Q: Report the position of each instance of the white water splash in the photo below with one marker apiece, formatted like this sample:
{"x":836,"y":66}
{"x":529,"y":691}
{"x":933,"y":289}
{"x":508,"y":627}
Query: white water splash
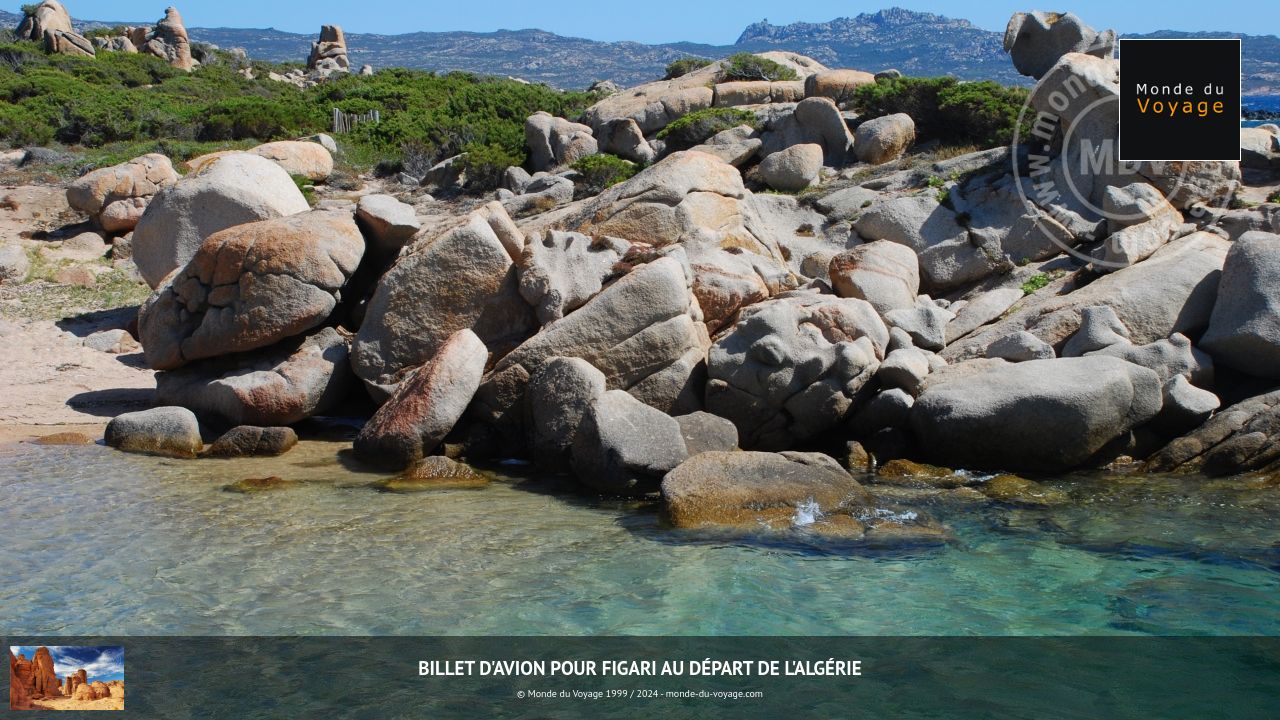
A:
{"x":807,"y":513}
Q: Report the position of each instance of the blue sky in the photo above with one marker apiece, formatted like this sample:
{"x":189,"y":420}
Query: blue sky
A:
{"x":714,"y":21}
{"x":100,"y":663}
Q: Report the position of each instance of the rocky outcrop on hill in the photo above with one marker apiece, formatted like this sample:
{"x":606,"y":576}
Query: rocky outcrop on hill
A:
{"x":169,"y":41}
{"x":1036,"y":40}
{"x":44,"y":17}
{"x":329,"y":53}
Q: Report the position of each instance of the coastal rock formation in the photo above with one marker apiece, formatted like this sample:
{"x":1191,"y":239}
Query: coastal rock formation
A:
{"x":885,"y":274}
{"x":555,"y":141}
{"x":561,"y":271}
{"x":251,"y":286}
{"x":48,"y":16}
{"x":233,"y":190}
{"x":329,"y":53}
{"x":884,"y":138}
{"x":814,"y":120}
{"x":793,"y":366}
{"x":946,"y":255}
{"x":1036,"y":416}
{"x":643,"y":332}
{"x":1036,"y":40}
{"x":1173,"y":291}
{"x":750,"y":489}
{"x":280,"y":385}
{"x":560,"y":393}
{"x":166,"y":431}
{"x":1244,"y":330}
{"x":624,"y":447}
{"x":653,"y":106}
{"x":465,"y":277}
{"x":426,"y":405}
{"x":169,"y":41}
{"x":387,"y":223}
{"x":838,"y":85}
{"x":115,"y":197}
{"x":1241,"y":438}
{"x":793,"y":169}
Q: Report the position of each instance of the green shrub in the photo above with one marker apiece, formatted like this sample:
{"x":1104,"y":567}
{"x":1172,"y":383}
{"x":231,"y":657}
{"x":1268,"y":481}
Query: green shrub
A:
{"x":600,"y":172}
{"x":484,"y":164}
{"x":684,"y":66}
{"x":115,"y":102}
{"x":699,"y":126}
{"x":745,"y":66}
{"x":982,"y":113}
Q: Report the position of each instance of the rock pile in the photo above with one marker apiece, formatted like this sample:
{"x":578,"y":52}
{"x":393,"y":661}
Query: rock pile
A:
{"x":638,"y":336}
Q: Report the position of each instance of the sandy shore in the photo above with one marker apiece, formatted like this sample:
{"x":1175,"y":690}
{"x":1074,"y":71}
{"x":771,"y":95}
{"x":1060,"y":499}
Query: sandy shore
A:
{"x":49,"y":378}
{"x":111,"y":703}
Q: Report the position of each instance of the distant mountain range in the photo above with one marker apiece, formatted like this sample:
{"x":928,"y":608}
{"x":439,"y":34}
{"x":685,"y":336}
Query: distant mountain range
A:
{"x":913,"y":42}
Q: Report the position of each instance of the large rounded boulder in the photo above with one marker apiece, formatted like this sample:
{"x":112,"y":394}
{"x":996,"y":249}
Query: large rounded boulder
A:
{"x":251,"y":286}
{"x":115,"y":197}
{"x":1244,"y":330}
{"x":233,"y":190}
{"x":1036,"y":416}
{"x":791,"y":367}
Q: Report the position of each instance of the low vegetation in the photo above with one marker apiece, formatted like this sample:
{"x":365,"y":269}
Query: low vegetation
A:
{"x":600,"y":172}
{"x":945,"y":109}
{"x":684,"y":66}
{"x":699,"y":126}
{"x":745,"y":66}
{"x":119,"y":105}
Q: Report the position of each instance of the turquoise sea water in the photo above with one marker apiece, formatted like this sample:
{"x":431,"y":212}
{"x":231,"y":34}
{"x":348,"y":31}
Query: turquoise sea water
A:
{"x":100,"y":542}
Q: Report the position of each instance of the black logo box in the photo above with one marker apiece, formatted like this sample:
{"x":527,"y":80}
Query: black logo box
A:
{"x":1187,"y":64}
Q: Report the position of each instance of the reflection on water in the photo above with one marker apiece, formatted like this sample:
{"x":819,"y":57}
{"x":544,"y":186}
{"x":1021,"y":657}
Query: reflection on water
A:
{"x":99,"y":542}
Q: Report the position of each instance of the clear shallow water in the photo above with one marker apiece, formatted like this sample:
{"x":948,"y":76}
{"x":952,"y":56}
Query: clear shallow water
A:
{"x":100,"y":542}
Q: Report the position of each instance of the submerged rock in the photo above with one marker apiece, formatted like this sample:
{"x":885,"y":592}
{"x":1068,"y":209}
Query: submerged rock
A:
{"x":434,"y":472}
{"x":249,"y":441}
{"x":753,"y":488}
{"x":249,"y":486}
